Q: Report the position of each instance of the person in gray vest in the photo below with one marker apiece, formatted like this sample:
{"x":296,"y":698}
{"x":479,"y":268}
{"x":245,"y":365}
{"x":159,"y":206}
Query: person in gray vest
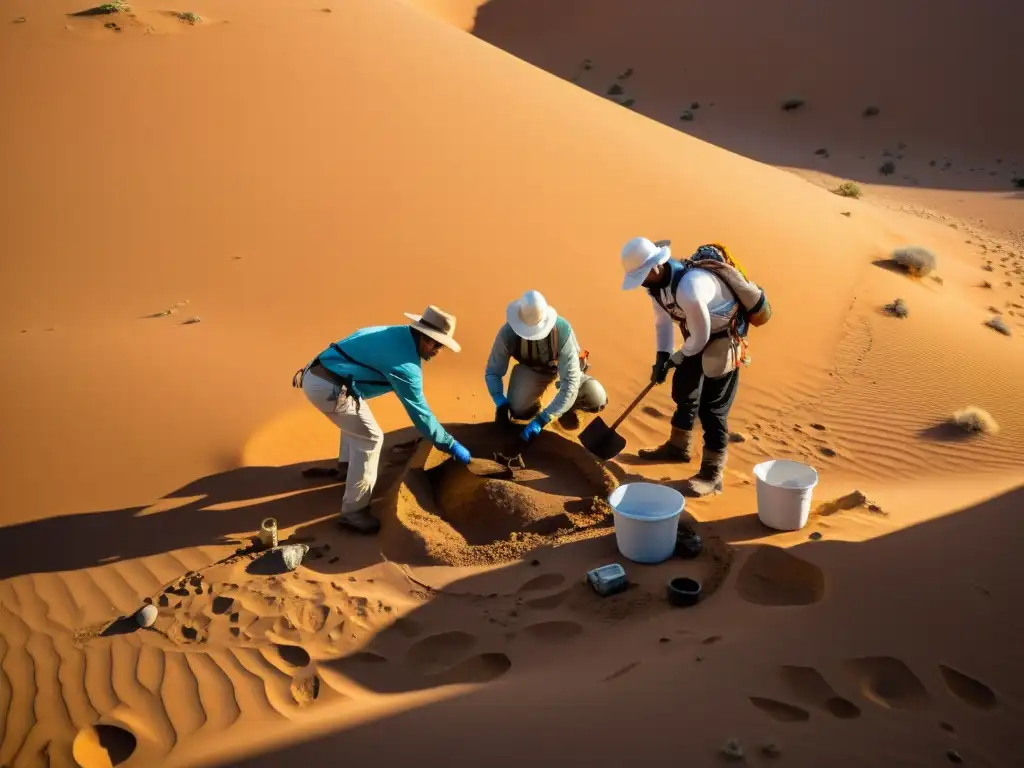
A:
{"x":545,"y":349}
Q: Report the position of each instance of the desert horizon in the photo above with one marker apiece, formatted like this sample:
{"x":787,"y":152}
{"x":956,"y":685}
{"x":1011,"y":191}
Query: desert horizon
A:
{"x":201,"y":199}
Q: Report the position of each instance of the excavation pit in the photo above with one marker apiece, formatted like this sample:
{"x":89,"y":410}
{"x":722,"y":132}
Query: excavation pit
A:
{"x":512,"y":498}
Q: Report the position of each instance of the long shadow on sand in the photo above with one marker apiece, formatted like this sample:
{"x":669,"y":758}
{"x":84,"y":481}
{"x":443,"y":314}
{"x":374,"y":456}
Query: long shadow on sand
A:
{"x":213,"y":510}
{"x":834,"y":585}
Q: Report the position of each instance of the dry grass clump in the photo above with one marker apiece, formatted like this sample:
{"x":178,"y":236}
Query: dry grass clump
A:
{"x":915,"y":260}
{"x":898,"y":308}
{"x":974,"y":419}
{"x":848,"y":189}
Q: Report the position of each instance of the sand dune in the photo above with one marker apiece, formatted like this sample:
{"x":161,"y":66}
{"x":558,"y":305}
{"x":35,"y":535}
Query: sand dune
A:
{"x":285,"y":175}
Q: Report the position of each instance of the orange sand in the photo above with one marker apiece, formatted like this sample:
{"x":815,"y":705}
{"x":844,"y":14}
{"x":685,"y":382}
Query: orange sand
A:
{"x":288,"y":174}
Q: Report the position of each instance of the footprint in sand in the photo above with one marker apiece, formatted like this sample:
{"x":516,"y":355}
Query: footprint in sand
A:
{"x":547,"y":602}
{"x":545,"y":581}
{"x":222,"y":605}
{"x":967,"y":689}
{"x":888,"y":682}
{"x":553,"y":631}
{"x":481,"y":668}
{"x":772,"y":576}
{"x":780,"y":710}
{"x":293,"y":655}
{"x":409,"y":628}
{"x":810,"y":687}
{"x":434,"y":653}
{"x":102,"y":745}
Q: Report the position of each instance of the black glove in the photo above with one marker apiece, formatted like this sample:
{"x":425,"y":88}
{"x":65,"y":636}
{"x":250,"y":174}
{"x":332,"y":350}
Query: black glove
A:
{"x":659,"y":371}
{"x":503,"y":415}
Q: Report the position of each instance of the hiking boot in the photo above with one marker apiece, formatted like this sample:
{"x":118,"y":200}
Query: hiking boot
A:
{"x":569,"y":420}
{"x":360,"y":521}
{"x":675,"y":449}
{"x":708,"y":481}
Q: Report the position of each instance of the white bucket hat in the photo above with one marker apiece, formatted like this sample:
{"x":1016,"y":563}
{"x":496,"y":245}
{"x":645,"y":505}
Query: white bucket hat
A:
{"x":531,"y":317}
{"x":438,"y":325}
{"x":639,"y":257}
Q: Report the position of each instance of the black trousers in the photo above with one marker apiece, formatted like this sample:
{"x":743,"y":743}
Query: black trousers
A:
{"x":697,"y":395}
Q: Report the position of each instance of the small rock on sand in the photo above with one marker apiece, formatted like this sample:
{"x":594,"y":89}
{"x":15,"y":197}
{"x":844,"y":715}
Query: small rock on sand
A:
{"x":732,"y":750}
{"x":737,"y":437}
{"x":146,"y":617}
{"x":771,"y":751}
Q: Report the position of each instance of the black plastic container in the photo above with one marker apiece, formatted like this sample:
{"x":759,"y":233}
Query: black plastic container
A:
{"x":683,"y":591}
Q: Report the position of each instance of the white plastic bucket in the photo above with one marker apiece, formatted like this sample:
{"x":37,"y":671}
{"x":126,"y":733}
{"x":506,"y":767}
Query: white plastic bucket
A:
{"x":646,"y":520}
{"x":784,"y":490}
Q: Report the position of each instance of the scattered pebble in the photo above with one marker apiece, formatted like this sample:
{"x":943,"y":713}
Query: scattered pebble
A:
{"x":845,"y":213}
{"x":191,"y":321}
{"x":815,"y":536}
{"x":732,"y":749}
{"x":20,"y":20}
{"x":771,"y":751}
{"x":819,"y":427}
{"x":737,"y":437}
{"x":146,"y":617}
{"x":997,"y":324}
{"x":954,"y":756}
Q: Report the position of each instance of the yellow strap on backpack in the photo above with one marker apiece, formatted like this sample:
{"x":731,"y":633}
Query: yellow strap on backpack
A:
{"x":731,"y":259}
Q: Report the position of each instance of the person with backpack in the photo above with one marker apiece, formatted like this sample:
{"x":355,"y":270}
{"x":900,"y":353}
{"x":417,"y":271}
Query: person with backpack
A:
{"x":545,"y":349}
{"x":710,"y":299}
{"x":366,"y":364}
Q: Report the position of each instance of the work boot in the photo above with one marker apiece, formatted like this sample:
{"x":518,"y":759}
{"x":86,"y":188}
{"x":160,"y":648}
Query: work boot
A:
{"x":708,"y":481}
{"x":570,"y":420}
{"x":675,"y":449}
{"x":360,"y":521}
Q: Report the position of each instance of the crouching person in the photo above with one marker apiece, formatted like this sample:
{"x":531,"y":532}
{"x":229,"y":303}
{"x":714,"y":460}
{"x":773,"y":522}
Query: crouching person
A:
{"x":545,"y":349}
{"x":369,"y":363}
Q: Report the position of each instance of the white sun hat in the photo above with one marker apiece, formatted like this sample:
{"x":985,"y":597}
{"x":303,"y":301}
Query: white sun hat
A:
{"x":531,"y":317}
{"x":639,"y":256}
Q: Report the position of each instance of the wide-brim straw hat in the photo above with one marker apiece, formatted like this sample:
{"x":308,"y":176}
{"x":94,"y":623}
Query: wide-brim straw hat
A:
{"x":438,"y":325}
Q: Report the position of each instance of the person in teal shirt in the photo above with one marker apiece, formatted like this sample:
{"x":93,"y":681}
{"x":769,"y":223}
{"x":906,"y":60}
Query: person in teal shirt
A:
{"x":371,"y":362}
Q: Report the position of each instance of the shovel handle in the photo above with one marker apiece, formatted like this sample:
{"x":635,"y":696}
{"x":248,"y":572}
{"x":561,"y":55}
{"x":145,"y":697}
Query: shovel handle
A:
{"x":632,"y":405}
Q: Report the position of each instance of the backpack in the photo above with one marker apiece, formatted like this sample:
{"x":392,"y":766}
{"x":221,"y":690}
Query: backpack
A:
{"x":754,"y":308}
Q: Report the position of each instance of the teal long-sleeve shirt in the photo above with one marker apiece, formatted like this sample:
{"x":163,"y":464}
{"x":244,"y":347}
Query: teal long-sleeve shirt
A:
{"x":388,"y":361}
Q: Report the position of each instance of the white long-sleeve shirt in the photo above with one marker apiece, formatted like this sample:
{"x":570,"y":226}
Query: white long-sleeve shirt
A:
{"x":703,"y":301}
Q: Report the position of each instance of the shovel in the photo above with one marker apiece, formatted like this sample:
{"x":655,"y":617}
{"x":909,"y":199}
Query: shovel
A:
{"x":603,"y":441}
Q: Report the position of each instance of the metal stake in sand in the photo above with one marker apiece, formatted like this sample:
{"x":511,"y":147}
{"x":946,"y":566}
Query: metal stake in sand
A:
{"x":268,"y":533}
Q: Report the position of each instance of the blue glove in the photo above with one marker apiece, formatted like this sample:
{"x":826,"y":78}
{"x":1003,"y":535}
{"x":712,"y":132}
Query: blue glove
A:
{"x":460,"y":453}
{"x":534,"y":427}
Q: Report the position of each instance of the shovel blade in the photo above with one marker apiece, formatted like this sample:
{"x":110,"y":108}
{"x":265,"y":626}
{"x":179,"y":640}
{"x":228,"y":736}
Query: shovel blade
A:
{"x":600,"y":440}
